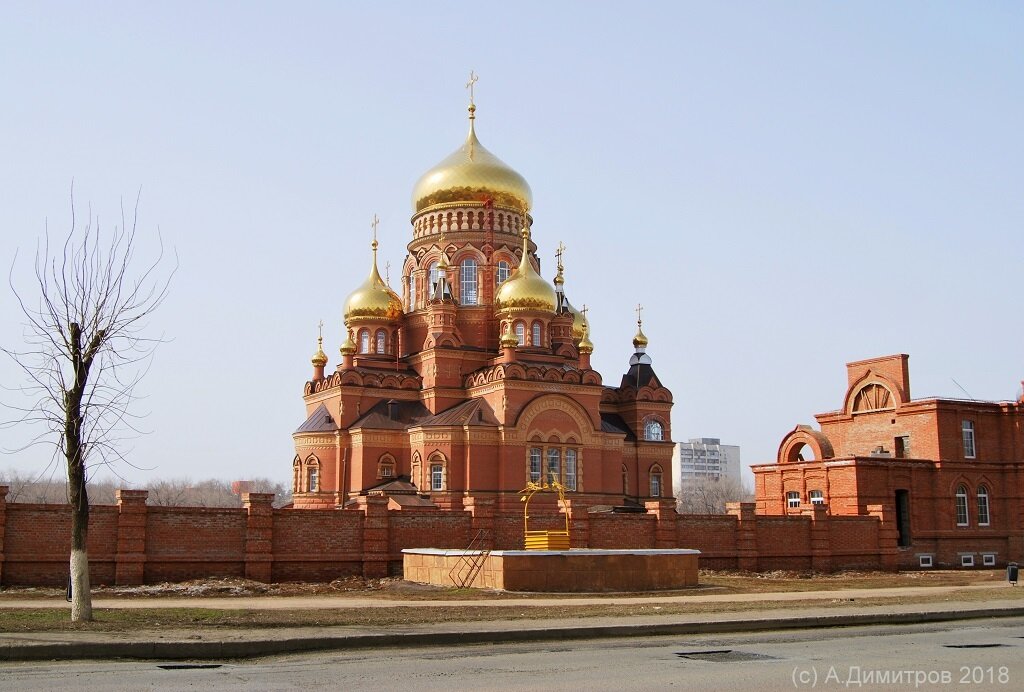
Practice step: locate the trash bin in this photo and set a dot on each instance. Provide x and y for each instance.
(1011, 573)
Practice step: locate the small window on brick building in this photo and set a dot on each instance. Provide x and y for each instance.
(817, 497)
(924, 560)
(793, 499)
(968, 434)
(962, 516)
(655, 481)
(983, 513)
(364, 341)
(903, 447)
(521, 333)
(554, 465)
(504, 270)
(437, 477)
(988, 559)
(967, 560)
(313, 477)
(653, 431)
(535, 455)
(386, 467)
(381, 341)
(570, 469)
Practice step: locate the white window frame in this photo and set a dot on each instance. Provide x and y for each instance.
(963, 513)
(817, 497)
(793, 499)
(313, 479)
(436, 476)
(654, 431)
(967, 560)
(503, 272)
(967, 432)
(412, 291)
(535, 335)
(381, 341)
(570, 468)
(364, 341)
(468, 282)
(655, 482)
(521, 333)
(553, 467)
(925, 561)
(988, 559)
(984, 507)
(536, 465)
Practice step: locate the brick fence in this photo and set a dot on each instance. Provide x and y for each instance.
(133, 543)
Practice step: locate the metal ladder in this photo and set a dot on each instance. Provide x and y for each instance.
(471, 562)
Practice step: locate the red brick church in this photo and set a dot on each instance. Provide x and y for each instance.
(473, 377)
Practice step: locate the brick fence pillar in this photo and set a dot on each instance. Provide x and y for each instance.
(481, 512)
(746, 533)
(375, 536)
(821, 551)
(130, 561)
(888, 536)
(3, 527)
(665, 529)
(259, 536)
(579, 524)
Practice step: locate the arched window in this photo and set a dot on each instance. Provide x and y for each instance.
(653, 431)
(431, 279)
(983, 514)
(381, 341)
(436, 476)
(386, 467)
(535, 464)
(312, 474)
(962, 518)
(570, 469)
(625, 480)
(296, 475)
(416, 469)
(655, 476)
(554, 465)
(467, 282)
(364, 341)
(536, 341)
(521, 333)
(412, 292)
(504, 270)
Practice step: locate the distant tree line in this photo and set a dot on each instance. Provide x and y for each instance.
(29, 488)
(710, 495)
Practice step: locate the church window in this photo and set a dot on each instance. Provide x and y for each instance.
(381, 341)
(793, 499)
(535, 464)
(416, 467)
(968, 434)
(296, 476)
(467, 282)
(655, 477)
(983, 514)
(962, 517)
(313, 476)
(816, 497)
(554, 465)
(364, 341)
(412, 292)
(625, 480)
(536, 335)
(570, 469)
(437, 477)
(386, 467)
(432, 274)
(504, 270)
(521, 333)
(653, 431)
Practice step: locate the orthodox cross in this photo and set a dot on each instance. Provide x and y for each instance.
(559, 252)
(584, 310)
(373, 224)
(639, 309)
(473, 79)
(387, 273)
(320, 327)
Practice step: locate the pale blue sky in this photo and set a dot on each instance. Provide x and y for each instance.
(785, 186)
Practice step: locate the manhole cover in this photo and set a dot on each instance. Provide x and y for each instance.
(189, 666)
(723, 655)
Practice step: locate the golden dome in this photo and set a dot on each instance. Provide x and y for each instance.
(348, 346)
(374, 299)
(586, 345)
(580, 323)
(640, 340)
(319, 358)
(525, 289)
(472, 174)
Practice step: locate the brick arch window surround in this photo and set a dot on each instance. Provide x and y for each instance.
(417, 469)
(984, 517)
(386, 467)
(654, 478)
(654, 431)
(438, 473)
(962, 515)
(312, 475)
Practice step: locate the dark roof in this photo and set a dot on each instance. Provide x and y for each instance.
(319, 421)
(392, 415)
(472, 412)
(613, 423)
(640, 375)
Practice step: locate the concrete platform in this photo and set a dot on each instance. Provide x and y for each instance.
(555, 571)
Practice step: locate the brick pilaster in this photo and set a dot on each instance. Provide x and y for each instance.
(665, 530)
(481, 511)
(130, 562)
(375, 536)
(746, 534)
(579, 524)
(3, 527)
(259, 536)
(821, 551)
(888, 536)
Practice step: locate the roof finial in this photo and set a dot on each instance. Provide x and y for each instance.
(373, 224)
(387, 273)
(473, 79)
(640, 340)
(558, 255)
(319, 359)
(584, 310)
(639, 309)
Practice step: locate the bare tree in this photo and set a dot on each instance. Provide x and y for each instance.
(709, 495)
(83, 355)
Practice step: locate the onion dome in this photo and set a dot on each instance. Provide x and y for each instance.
(509, 340)
(348, 347)
(472, 174)
(640, 340)
(580, 323)
(374, 299)
(319, 358)
(586, 345)
(525, 289)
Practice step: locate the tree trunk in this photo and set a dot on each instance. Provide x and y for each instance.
(78, 495)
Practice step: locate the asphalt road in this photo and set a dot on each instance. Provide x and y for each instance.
(977, 655)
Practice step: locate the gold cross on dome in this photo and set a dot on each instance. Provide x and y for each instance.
(559, 252)
(473, 79)
(320, 327)
(373, 224)
(387, 273)
(639, 309)
(584, 310)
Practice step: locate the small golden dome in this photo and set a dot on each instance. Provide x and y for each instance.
(319, 358)
(580, 323)
(374, 299)
(525, 289)
(348, 347)
(472, 174)
(586, 345)
(640, 340)
(509, 339)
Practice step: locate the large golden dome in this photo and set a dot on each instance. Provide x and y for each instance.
(525, 289)
(374, 299)
(472, 174)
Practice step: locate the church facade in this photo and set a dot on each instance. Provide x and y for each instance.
(473, 377)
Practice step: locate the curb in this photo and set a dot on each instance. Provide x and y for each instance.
(218, 649)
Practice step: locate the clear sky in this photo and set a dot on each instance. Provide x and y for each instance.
(785, 186)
